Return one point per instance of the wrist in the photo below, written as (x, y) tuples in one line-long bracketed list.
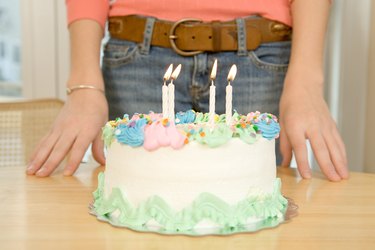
[(94, 79), (86, 97), (304, 75), (74, 88)]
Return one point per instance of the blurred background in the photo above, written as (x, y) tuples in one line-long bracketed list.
[(34, 63)]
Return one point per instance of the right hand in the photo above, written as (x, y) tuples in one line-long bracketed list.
[(305, 115), (78, 124)]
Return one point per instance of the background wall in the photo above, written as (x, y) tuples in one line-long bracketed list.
[(45, 56), (10, 48), (348, 70), (369, 159)]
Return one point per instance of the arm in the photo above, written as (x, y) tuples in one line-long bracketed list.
[(303, 111), (85, 111)]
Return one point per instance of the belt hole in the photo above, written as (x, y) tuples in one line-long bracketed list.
[(165, 34), (209, 37), (193, 37)]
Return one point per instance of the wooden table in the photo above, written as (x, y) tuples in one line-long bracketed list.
[(52, 213)]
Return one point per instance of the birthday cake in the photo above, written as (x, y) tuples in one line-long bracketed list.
[(189, 176), (191, 173)]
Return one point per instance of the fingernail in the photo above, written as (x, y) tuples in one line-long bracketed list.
[(30, 169), (336, 178), (67, 172), (307, 175), (41, 172), (345, 176)]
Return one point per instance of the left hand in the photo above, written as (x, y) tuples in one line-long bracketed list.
[(305, 115)]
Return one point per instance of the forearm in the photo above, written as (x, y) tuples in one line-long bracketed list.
[(85, 44), (309, 27)]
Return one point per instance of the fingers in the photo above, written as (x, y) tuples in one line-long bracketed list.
[(337, 153), (60, 149), (98, 150), (41, 153), (325, 154), (285, 149), (298, 143), (37, 148), (340, 143), (78, 150), (50, 156)]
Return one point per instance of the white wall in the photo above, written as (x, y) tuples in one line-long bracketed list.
[(369, 161), (45, 44), (10, 49), (347, 76)]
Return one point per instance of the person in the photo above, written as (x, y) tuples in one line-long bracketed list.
[(280, 77)]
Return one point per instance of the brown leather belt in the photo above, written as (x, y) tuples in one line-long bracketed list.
[(191, 36)]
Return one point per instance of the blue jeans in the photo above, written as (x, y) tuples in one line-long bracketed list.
[(133, 75)]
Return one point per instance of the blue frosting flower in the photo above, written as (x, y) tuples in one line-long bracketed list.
[(185, 117), (131, 133), (269, 128)]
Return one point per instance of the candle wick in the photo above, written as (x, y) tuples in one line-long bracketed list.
[(229, 83), (212, 82)]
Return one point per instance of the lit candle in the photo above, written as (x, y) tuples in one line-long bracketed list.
[(174, 76), (228, 100), (166, 77), (212, 93)]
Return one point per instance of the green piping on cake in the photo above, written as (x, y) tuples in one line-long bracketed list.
[(270, 209)]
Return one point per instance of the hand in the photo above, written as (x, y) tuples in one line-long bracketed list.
[(305, 115), (78, 124)]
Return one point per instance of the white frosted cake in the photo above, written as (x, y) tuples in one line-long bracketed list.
[(191, 176)]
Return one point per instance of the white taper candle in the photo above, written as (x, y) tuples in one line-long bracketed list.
[(166, 77), (174, 76), (165, 100), (212, 103), (212, 93), (228, 104), (171, 101), (228, 100)]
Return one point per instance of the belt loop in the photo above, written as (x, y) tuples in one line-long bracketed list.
[(147, 35), (241, 37)]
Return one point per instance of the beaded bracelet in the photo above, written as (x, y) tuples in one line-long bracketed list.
[(69, 90)]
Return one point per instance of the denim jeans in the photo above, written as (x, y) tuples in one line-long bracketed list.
[(133, 75)]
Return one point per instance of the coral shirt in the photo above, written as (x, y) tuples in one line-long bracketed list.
[(172, 10)]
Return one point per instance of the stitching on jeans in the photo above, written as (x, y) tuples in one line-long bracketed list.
[(127, 58), (265, 65)]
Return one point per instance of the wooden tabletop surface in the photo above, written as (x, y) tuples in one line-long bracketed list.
[(52, 213)]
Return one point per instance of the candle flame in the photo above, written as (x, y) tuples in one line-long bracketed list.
[(168, 73), (176, 72), (213, 71), (232, 73)]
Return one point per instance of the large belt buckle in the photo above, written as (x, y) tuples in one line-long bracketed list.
[(173, 37)]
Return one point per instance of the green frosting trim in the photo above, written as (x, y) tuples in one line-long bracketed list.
[(108, 134), (201, 117), (247, 134), (270, 209), (214, 137)]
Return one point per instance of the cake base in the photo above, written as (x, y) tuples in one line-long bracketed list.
[(207, 214)]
